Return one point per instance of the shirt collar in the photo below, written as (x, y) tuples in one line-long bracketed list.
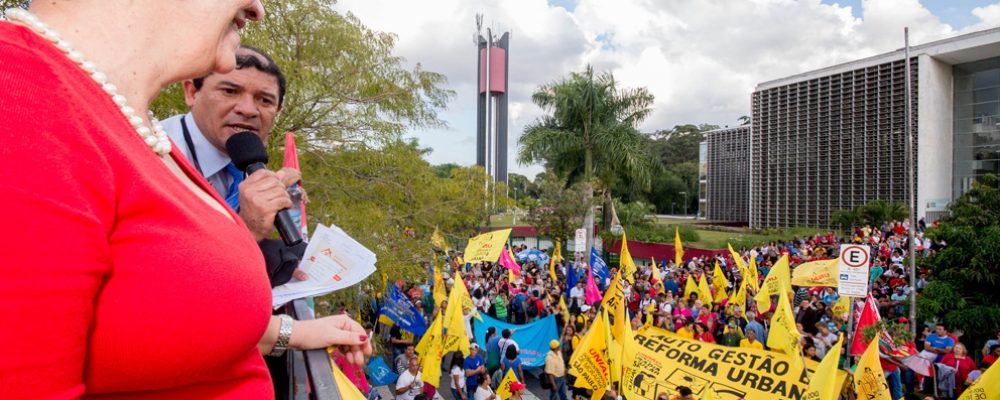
[(211, 159)]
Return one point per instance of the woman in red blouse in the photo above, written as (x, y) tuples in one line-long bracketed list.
[(125, 275), (963, 364)]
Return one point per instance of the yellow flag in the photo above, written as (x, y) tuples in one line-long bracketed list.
[(613, 332), (720, 283), (656, 274), (842, 305), (740, 297), (486, 247), (784, 335), (709, 394), (454, 317), (690, 287), (433, 334), (817, 273), (348, 390), (823, 383), (430, 351), (752, 270), (438, 241), (678, 249), (589, 362), (552, 268), (986, 387), (615, 294), (738, 259), (563, 309), (439, 293), (778, 279), (557, 253), (503, 391), (869, 380), (703, 291), (627, 265)]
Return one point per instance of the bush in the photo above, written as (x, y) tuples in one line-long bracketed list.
[(656, 233)]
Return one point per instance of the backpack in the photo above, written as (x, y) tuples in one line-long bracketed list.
[(542, 312), (517, 306), (532, 308)]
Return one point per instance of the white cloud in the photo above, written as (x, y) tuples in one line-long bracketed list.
[(700, 58)]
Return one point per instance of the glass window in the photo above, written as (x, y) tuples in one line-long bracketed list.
[(977, 122)]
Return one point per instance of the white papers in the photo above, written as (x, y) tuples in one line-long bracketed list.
[(333, 260)]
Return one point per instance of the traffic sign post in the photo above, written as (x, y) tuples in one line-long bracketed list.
[(855, 260)]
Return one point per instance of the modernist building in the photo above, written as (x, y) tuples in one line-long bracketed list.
[(834, 138), (725, 173)]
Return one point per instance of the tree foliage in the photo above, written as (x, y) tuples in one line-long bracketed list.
[(559, 210), (677, 149), (875, 212), (963, 278)]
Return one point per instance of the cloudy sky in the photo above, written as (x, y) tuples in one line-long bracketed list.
[(700, 58)]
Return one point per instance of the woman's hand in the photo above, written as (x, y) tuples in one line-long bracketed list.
[(337, 330)]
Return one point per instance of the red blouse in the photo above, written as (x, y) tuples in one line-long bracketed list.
[(115, 280)]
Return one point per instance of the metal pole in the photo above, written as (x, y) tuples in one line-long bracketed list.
[(850, 328), (910, 156)]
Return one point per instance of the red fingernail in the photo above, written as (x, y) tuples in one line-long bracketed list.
[(363, 338)]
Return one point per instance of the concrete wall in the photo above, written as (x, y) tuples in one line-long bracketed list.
[(935, 132)]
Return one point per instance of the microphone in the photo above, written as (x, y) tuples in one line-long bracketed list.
[(249, 155)]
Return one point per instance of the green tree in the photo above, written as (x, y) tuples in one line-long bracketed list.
[(678, 150), (875, 212), (8, 4), (345, 85), (962, 285), (559, 210), (590, 135)]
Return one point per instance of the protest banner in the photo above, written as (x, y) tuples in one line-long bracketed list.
[(533, 339), (817, 273), (486, 247), (657, 361), (597, 265), (398, 308)]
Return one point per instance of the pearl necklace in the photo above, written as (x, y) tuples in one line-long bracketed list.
[(155, 138)]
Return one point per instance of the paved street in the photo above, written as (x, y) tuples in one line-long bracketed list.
[(534, 391)]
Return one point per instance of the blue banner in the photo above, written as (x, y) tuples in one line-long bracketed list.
[(398, 308), (598, 266), (533, 339), (379, 373), (571, 277)]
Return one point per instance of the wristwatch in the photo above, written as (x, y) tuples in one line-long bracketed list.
[(284, 334)]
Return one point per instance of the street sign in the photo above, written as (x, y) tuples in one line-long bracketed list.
[(580, 242), (854, 262)]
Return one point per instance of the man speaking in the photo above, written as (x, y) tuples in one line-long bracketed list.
[(221, 105)]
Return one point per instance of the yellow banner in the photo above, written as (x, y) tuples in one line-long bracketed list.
[(486, 247), (816, 273), (657, 361)]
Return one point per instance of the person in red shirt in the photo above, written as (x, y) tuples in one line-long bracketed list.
[(963, 364), (153, 287), (702, 334)]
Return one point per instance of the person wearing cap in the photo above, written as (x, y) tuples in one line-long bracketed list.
[(516, 389), (473, 365), (731, 337), (555, 371)]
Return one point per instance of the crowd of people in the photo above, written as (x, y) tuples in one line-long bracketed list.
[(660, 301)]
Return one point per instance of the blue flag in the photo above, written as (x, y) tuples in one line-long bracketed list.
[(571, 278), (379, 372), (398, 308), (532, 339), (598, 266)]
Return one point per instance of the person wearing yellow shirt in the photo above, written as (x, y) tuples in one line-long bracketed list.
[(751, 341), (687, 331)]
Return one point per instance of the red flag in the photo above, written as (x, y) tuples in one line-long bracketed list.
[(292, 161), (869, 316)]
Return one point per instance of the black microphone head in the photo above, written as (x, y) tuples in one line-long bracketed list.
[(246, 148)]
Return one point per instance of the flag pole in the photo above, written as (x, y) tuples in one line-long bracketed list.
[(910, 182)]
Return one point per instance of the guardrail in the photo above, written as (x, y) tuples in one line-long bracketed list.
[(310, 370)]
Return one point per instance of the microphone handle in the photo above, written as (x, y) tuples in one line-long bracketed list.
[(283, 221)]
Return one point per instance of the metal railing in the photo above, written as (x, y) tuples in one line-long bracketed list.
[(310, 370)]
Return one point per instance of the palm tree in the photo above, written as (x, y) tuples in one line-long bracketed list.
[(590, 133)]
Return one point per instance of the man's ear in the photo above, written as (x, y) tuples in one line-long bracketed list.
[(190, 91)]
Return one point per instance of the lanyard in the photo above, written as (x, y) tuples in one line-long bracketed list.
[(190, 145)]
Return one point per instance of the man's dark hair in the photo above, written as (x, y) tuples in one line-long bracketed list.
[(252, 61), (683, 390), (505, 333)]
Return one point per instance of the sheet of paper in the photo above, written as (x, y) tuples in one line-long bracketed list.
[(333, 260)]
